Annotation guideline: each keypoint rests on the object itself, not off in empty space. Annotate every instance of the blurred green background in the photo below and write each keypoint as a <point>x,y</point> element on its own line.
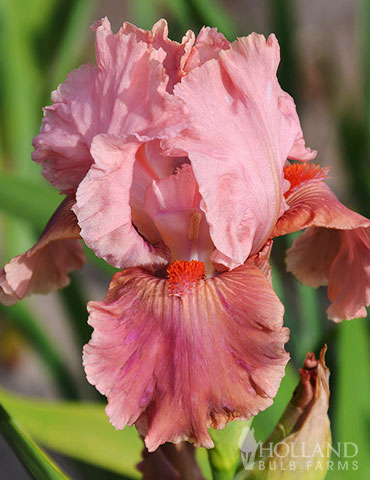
<point>325,65</point>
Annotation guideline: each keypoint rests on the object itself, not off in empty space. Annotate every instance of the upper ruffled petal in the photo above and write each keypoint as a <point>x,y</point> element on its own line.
<point>46,265</point>
<point>182,57</point>
<point>103,206</point>
<point>150,165</point>
<point>176,365</point>
<point>176,53</point>
<point>335,251</point>
<point>125,94</point>
<point>243,128</point>
<point>208,45</point>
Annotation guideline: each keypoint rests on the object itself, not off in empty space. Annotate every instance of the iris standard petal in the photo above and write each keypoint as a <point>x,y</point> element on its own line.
<point>103,206</point>
<point>124,94</point>
<point>243,127</point>
<point>174,205</point>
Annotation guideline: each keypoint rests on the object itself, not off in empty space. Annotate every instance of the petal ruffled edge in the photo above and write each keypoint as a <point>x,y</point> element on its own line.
<point>125,94</point>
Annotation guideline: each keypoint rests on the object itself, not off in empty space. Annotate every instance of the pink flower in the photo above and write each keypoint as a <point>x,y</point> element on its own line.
<point>176,155</point>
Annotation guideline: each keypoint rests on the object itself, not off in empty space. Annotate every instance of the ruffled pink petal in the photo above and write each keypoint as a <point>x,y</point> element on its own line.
<point>103,206</point>
<point>173,203</point>
<point>45,267</point>
<point>176,53</point>
<point>242,131</point>
<point>125,94</point>
<point>339,259</point>
<point>208,44</point>
<point>335,251</point>
<point>175,365</point>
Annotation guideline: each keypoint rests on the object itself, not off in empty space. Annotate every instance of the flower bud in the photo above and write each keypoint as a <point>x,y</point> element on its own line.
<point>300,445</point>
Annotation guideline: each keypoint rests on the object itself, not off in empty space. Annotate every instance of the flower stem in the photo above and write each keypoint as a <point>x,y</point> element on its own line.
<point>224,458</point>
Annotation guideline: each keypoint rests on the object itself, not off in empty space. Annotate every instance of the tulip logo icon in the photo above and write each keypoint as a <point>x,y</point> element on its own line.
<point>248,447</point>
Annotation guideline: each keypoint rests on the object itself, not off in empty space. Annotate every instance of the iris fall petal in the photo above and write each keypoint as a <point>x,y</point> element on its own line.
<point>176,365</point>
<point>46,265</point>
<point>334,250</point>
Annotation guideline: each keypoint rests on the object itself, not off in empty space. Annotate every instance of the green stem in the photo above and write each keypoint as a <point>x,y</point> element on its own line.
<point>225,458</point>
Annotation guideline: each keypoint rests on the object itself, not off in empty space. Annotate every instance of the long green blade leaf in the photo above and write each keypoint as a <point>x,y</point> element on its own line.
<point>351,395</point>
<point>35,460</point>
<point>79,430</point>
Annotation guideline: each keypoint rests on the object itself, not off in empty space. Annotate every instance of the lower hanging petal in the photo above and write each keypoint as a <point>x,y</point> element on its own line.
<point>339,259</point>
<point>335,250</point>
<point>46,265</point>
<point>175,365</point>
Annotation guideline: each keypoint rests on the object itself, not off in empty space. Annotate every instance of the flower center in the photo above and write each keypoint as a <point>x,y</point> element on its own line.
<point>184,275</point>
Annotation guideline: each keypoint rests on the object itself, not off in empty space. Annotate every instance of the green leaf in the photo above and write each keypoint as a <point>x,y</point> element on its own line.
<point>79,430</point>
<point>351,395</point>
<point>21,86</point>
<point>309,313</point>
<point>36,461</point>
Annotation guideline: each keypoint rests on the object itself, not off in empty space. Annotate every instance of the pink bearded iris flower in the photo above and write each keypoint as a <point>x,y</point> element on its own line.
<point>173,158</point>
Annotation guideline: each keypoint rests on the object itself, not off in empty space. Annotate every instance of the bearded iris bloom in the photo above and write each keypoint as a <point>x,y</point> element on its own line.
<point>176,163</point>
